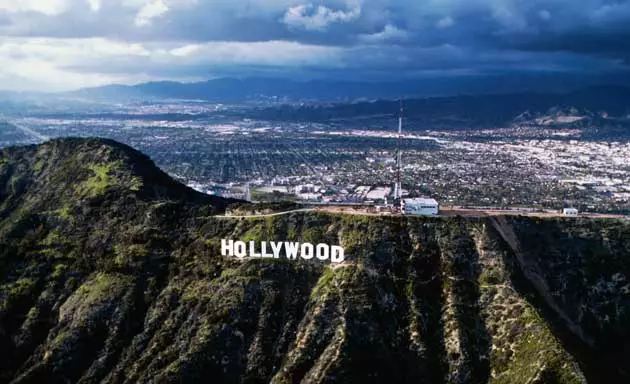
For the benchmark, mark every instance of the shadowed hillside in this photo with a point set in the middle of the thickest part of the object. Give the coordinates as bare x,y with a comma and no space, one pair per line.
111,272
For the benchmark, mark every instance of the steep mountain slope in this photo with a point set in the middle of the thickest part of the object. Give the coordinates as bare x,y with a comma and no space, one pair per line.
111,272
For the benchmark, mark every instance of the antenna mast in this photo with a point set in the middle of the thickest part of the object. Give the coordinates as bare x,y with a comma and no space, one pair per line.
398,187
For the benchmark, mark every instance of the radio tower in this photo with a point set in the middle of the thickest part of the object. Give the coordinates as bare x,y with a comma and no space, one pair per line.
248,195
398,186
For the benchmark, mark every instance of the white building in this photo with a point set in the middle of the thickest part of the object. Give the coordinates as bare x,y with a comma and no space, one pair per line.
378,193
420,206
570,212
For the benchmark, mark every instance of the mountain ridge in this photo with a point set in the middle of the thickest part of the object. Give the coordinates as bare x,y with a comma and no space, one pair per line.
252,89
103,279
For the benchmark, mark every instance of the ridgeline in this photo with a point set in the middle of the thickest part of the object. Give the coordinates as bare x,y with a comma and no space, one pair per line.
110,271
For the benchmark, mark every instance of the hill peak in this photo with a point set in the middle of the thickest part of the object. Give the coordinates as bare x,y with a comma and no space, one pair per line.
74,170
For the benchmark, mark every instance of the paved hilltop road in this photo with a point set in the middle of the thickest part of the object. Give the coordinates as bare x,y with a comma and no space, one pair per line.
268,214
443,212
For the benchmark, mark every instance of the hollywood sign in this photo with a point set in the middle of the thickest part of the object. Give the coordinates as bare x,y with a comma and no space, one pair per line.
274,250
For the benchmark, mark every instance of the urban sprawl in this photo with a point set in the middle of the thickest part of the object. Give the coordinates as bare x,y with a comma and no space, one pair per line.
355,162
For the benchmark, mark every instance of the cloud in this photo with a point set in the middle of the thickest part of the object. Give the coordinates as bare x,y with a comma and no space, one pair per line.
46,7
389,34
95,5
62,64
149,11
90,41
445,22
544,15
318,18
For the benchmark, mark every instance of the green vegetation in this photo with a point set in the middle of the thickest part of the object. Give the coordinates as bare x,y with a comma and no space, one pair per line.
292,233
312,235
59,271
323,284
104,176
54,237
20,287
39,165
132,287
97,291
128,254
15,291
64,213
98,183
136,184
531,351
254,233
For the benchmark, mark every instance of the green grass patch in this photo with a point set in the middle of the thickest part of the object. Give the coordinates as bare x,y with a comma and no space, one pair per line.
12,291
136,184
59,271
533,350
126,254
54,237
98,183
253,234
39,165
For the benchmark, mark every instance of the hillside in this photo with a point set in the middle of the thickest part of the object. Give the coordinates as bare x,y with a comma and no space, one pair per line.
111,272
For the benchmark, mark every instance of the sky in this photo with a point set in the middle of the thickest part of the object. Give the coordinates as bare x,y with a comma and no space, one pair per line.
56,45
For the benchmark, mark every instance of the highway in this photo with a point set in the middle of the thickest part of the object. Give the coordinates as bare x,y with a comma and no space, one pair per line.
27,130
31,132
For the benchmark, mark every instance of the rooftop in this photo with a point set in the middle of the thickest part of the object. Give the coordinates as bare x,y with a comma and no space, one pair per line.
420,201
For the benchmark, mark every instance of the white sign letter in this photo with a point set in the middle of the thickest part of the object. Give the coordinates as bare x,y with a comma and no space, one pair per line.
263,251
252,250
336,254
240,249
306,251
322,251
227,247
291,250
276,247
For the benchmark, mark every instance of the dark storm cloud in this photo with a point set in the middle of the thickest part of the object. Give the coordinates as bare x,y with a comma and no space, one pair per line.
404,38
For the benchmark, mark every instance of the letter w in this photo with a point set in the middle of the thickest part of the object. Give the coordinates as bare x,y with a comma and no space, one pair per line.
291,250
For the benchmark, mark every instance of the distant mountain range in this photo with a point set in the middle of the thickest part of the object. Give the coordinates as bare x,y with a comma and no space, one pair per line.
258,89
330,99
590,106
326,100
270,89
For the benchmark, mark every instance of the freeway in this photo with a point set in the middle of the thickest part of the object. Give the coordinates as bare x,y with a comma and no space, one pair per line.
28,130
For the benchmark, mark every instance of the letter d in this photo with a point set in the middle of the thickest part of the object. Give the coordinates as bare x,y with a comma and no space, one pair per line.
336,254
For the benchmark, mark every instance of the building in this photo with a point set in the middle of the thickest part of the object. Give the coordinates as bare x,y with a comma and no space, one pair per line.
378,193
420,206
570,212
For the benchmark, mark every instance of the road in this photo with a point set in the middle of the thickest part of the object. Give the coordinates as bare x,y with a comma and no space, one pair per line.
266,214
443,212
27,130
